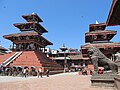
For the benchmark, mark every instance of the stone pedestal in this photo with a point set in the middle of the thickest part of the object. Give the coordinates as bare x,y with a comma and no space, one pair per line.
105,80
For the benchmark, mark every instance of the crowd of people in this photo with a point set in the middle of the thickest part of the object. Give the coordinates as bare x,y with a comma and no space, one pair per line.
10,71
23,71
32,71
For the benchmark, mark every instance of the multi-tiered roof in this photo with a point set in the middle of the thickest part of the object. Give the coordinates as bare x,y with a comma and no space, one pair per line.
100,38
32,24
97,32
31,34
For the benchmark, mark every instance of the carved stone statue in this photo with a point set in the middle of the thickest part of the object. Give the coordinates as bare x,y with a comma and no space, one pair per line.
98,57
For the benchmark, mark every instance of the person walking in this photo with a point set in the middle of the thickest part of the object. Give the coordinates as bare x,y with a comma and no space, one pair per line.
47,72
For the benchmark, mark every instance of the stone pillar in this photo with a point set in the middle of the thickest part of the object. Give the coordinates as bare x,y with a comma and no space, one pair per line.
17,47
13,46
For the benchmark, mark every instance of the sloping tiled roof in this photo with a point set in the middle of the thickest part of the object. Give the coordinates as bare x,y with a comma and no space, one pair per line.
30,33
39,28
34,14
101,32
20,34
94,27
102,45
2,48
114,14
61,58
78,57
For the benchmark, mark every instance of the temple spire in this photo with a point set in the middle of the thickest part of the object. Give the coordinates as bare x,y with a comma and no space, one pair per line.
97,22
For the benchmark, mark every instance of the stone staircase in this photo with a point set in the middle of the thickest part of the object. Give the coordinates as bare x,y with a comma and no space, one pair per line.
46,62
27,58
35,59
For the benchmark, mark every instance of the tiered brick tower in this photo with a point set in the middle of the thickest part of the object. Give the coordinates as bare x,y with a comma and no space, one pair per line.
100,38
30,43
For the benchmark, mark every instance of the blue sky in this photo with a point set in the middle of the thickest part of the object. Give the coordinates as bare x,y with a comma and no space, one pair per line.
66,20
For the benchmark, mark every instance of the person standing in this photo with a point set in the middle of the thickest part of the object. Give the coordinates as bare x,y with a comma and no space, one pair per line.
25,72
40,72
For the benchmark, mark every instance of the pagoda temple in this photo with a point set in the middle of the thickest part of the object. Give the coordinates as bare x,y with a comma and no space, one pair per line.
100,38
28,45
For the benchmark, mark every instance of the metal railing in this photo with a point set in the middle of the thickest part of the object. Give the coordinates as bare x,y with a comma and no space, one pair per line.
13,57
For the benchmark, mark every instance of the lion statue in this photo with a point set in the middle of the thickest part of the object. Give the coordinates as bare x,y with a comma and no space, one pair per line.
98,57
